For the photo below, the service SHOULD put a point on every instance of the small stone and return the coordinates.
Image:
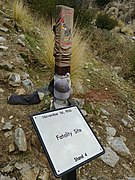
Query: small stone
(110, 157)
(103, 111)
(119, 146)
(7, 66)
(130, 178)
(25, 76)
(2, 39)
(1, 90)
(28, 173)
(2, 120)
(11, 147)
(88, 80)
(84, 112)
(28, 84)
(3, 48)
(2, 177)
(20, 91)
(7, 169)
(8, 134)
(14, 79)
(111, 131)
(11, 117)
(8, 126)
(20, 139)
(19, 41)
(4, 29)
(44, 175)
(18, 166)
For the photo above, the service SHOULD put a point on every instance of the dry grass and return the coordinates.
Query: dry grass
(22, 16)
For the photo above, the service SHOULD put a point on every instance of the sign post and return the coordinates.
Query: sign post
(67, 140)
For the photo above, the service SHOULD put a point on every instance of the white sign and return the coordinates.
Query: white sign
(67, 139)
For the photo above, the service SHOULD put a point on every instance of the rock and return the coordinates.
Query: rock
(3, 48)
(110, 157)
(8, 134)
(14, 79)
(28, 173)
(7, 169)
(19, 41)
(4, 29)
(44, 175)
(7, 66)
(11, 147)
(111, 131)
(104, 112)
(6, 177)
(78, 102)
(20, 139)
(20, 91)
(83, 112)
(18, 166)
(130, 178)
(2, 120)
(128, 121)
(28, 84)
(25, 76)
(1, 90)
(119, 146)
(8, 126)
(2, 39)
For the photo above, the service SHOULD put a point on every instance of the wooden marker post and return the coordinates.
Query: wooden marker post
(62, 52)
(63, 39)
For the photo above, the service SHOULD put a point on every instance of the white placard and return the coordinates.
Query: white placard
(66, 138)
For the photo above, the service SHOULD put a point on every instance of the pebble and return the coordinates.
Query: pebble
(7, 169)
(20, 139)
(118, 145)
(11, 147)
(3, 177)
(8, 126)
(44, 175)
(111, 131)
(2, 120)
(3, 48)
(104, 112)
(14, 79)
(4, 29)
(8, 134)
(28, 84)
(7, 66)
(19, 41)
(110, 157)
(2, 39)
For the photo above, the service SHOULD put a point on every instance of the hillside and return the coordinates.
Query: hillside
(107, 100)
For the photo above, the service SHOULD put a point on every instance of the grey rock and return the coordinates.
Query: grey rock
(25, 76)
(2, 120)
(20, 139)
(119, 146)
(7, 169)
(78, 102)
(28, 173)
(28, 84)
(2, 39)
(4, 29)
(110, 157)
(111, 131)
(7, 66)
(103, 111)
(128, 121)
(44, 175)
(19, 41)
(8, 126)
(18, 166)
(130, 178)
(3, 48)
(2, 177)
(14, 79)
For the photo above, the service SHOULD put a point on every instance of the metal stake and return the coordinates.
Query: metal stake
(70, 176)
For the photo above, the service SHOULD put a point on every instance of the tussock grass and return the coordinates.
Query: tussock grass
(22, 16)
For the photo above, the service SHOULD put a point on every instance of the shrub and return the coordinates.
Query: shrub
(105, 22)
(102, 2)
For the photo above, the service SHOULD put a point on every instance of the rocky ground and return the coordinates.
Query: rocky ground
(109, 111)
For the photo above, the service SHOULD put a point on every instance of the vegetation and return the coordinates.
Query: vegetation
(105, 22)
(102, 3)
